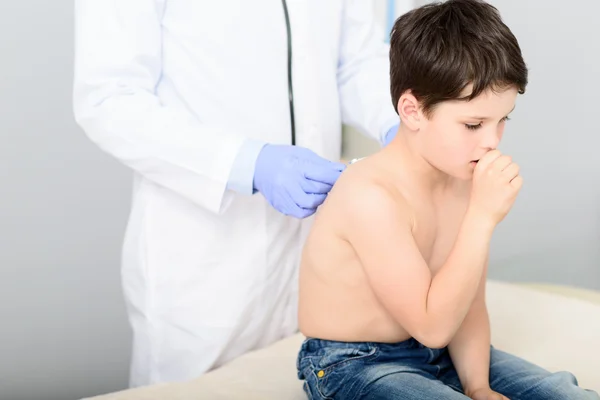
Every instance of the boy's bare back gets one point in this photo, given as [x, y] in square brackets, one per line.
[337, 300]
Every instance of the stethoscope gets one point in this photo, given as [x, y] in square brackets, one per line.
[290, 85]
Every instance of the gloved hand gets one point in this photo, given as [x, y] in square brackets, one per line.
[294, 180]
[390, 135]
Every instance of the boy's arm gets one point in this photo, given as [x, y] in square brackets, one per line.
[430, 308]
[470, 348]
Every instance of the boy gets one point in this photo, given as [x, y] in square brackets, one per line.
[392, 281]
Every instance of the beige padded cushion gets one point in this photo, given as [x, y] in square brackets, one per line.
[555, 331]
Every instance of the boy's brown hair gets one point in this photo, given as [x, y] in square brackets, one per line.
[438, 49]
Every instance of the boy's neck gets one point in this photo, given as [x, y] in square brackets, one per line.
[404, 156]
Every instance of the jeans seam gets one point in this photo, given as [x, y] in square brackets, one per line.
[431, 356]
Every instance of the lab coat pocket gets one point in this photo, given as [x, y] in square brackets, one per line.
[184, 252]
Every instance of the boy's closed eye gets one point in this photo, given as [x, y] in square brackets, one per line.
[477, 126]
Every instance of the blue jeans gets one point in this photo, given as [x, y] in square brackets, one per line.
[409, 370]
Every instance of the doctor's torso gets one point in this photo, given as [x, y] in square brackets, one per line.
[227, 63]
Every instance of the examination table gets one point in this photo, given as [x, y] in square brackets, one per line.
[557, 327]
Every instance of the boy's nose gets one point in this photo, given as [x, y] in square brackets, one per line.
[491, 139]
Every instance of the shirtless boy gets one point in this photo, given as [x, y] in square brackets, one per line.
[392, 281]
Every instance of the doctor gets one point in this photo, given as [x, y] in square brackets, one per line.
[229, 114]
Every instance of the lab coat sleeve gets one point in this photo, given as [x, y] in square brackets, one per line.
[363, 72]
[117, 68]
[241, 179]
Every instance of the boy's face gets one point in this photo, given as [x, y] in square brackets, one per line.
[461, 132]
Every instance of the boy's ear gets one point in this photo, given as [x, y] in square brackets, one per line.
[409, 111]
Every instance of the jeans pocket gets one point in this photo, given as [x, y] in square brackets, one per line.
[334, 357]
[337, 373]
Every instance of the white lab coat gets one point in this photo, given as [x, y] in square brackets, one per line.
[172, 88]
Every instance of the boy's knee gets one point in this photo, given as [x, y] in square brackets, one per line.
[564, 385]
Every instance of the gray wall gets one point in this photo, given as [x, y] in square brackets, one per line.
[554, 232]
[64, 205]
[64, 332]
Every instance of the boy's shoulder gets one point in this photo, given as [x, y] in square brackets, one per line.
[365, 192]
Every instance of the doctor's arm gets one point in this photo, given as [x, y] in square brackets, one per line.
[363, 73]
[117, 67]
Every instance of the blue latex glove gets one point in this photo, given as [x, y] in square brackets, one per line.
[294, 180]
[391, 134]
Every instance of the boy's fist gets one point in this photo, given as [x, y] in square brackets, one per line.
[496, 183]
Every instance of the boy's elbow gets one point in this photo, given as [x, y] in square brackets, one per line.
[435, 341]
[434, 338]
